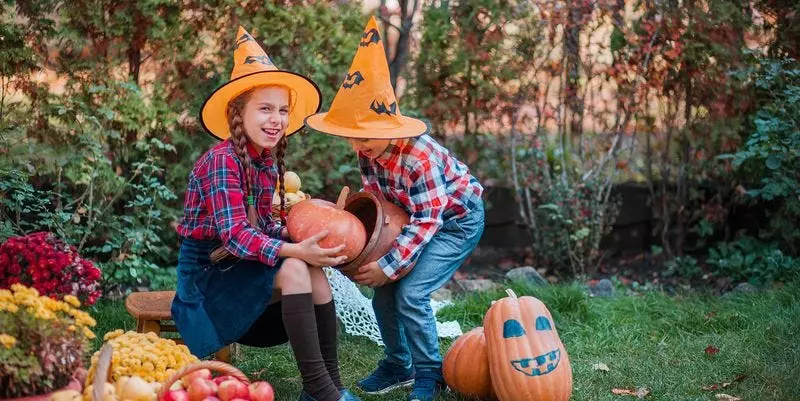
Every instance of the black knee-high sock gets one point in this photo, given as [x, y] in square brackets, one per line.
[301, 327]
[328, 332]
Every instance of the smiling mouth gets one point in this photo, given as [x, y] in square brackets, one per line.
[539, 366]
[271, 132]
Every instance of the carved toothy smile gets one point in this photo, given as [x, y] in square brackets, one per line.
[542, 364]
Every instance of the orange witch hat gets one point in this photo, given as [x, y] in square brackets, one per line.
[252, 68]
[365, 106]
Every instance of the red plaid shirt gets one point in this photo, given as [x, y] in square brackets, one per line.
[420, 176]
[215, 206]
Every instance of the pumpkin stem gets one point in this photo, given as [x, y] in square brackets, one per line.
[342, 197]
[511, 293]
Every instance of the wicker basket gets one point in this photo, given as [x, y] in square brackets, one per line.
[221, 367]
[276, 209]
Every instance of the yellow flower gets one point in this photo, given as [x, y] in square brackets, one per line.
[88, 333]
[113, 334]
[7, 340]
[44, 314]
[7, 306]
[6, 296]
[72, 300]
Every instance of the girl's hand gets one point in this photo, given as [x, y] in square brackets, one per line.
[313, 254]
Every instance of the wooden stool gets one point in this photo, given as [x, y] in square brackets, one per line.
[152, 310]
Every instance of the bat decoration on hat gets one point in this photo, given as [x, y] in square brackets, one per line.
[242, 39]
[258, 59]
[380, 108]
[351, 80]
[370, 37]
[365, 105]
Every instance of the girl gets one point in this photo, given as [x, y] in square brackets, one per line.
[239, 280]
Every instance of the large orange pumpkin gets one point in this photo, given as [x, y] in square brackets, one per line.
[311, 216]
[466, 365]
[527, 360]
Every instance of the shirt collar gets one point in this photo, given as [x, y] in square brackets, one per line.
[392, 152]
[264, 158]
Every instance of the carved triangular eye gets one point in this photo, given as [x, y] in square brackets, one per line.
[512, 328]
[543, 323]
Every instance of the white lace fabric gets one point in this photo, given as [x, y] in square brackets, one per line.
[355, 311]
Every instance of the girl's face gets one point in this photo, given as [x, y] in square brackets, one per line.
[265, 116]
[370, 148]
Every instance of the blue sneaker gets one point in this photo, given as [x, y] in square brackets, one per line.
[426, 386]
[386, 378]
[346, 396]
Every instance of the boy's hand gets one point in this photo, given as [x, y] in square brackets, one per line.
[371, 275]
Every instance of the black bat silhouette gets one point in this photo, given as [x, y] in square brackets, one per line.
[351, 80]
[258, 59]
[369, 37]
[380, 108]
[242, 39]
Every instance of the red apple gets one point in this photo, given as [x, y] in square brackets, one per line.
[176, 395]
[201, 388]
[232, 388]
[261, 391]
[220, 379]
[211, 398]
[201, 373]
[311, 216]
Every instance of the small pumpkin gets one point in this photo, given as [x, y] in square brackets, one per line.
[311, 216]
[466, 365]
[527, 360]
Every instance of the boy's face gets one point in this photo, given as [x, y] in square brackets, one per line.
[370, 148]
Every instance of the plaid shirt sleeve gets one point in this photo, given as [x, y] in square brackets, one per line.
[227, 205]
[428, 200]
[273, 228]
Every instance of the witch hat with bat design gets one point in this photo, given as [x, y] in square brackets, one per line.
[253, 68]
[365, 106]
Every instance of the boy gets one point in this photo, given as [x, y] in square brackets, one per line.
[402, 163]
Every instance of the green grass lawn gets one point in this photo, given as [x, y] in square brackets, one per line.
[650, 340]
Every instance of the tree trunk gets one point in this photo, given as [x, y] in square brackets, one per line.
[397, 62]
[573, 60]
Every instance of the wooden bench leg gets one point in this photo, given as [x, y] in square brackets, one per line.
[151, 325]
[223, 355]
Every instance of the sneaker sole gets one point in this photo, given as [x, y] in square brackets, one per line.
[406, 383]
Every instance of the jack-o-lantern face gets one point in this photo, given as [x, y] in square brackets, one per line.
[535, 365]
[527, 360]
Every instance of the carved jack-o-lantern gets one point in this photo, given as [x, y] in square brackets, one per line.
[527, 360]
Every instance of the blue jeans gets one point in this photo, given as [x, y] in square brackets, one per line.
[403, 309]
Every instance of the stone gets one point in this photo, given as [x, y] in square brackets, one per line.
[526, 274]
[477, 285]
[603, 288]
[745, 288]
[442, 294]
